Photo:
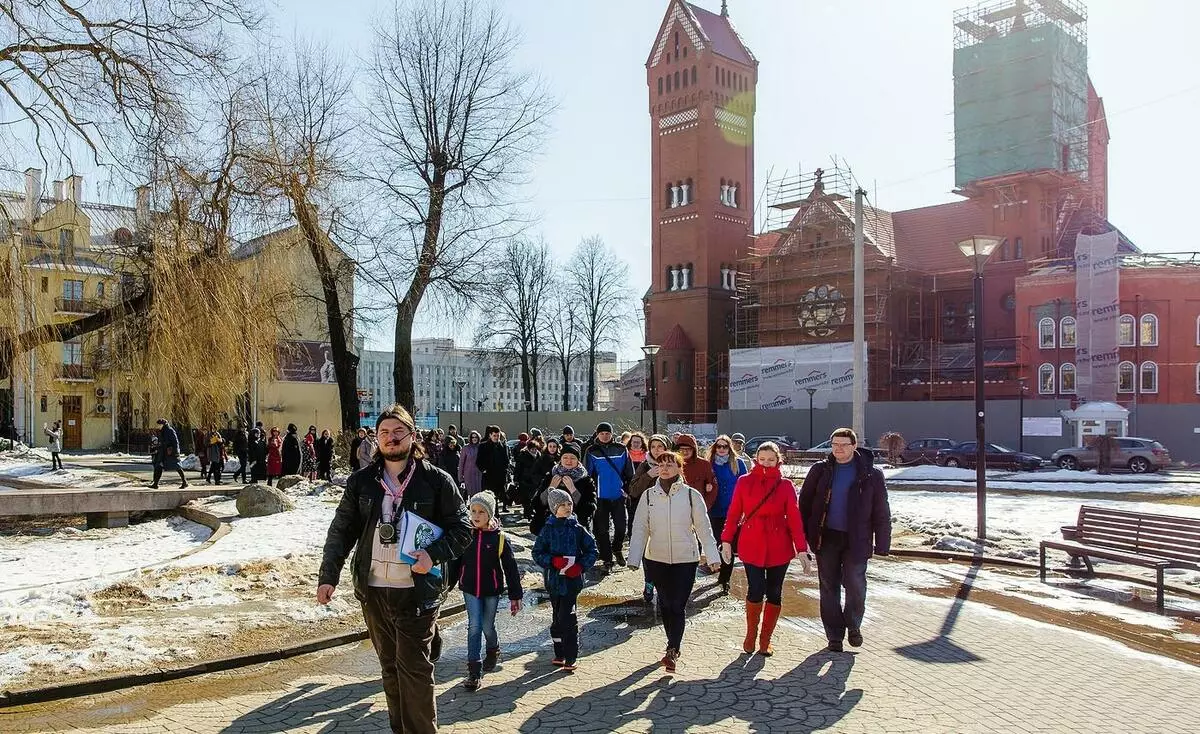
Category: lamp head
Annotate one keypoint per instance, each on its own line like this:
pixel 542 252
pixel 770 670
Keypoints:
pixel 651 349
pixel 979 248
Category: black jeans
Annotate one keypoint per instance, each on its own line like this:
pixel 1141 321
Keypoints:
pixel 158 470
pixel 765 583
pixel 609 512
pixel 674 582
pixel 836 568
pixel 718 525
pixel 401 638
pixel 215 468
pixel 495 485
pixel 242 470
pixel 55 461
pixel 564 628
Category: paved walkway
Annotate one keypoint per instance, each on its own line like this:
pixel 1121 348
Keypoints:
pixel 929 665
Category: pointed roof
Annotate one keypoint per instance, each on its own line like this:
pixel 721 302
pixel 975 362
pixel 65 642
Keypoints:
pixel 677 341
pixel 704 29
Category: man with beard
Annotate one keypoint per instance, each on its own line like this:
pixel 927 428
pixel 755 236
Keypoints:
pixel 399 600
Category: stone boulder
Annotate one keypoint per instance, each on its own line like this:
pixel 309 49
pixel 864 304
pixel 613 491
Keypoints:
pixel 256 500
pixel 291 480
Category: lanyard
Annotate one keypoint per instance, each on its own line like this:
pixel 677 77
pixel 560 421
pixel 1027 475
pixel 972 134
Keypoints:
pixel 392 495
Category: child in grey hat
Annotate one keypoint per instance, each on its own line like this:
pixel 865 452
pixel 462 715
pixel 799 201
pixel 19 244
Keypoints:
pixel 565 550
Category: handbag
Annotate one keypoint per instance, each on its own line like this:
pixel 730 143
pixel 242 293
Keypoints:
pixel 737 533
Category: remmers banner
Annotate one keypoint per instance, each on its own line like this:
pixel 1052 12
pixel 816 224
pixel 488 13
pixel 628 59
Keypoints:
pixel 1097 313
pixel 778 378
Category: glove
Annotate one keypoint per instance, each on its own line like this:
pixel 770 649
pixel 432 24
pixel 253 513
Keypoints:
pixel 559 562
pixel 727 553
pixel 806 562
pixel 569 563
pixel 573 571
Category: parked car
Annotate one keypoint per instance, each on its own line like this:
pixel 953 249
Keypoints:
pixel 997 457
pixel 925 449
pixel 786 443
pixel 1138 455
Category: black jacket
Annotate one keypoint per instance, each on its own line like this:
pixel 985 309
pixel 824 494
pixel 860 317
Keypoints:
pixel 525 472
pixel 431 494
pixel 448 461
pixel 870 516
pixel 324 447
pixel 492 459
pixel 241 442
pixel 486 570
pixel 291 454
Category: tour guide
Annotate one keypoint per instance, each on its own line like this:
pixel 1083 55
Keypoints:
pixel 399 601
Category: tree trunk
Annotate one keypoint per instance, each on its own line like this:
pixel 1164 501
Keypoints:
pixel 406 310
pixel 591 394
pixel 345 362
pixel 402 369
pixel 566 375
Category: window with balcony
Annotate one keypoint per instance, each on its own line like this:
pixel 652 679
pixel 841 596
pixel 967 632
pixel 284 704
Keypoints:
pixel 1046 333
pixel 1125 331
pixel 1067 332
pixel 1149 382
pixel 1125 375
pixel 1046 379
pixel 1066 379
pixel 1149 331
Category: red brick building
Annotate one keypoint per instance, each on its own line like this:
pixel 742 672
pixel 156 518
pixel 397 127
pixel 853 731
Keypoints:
pixel 701 79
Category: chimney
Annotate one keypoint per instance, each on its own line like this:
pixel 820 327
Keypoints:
pixel 74 186
pixel 58 191
pixel 142 212
pixel 33 196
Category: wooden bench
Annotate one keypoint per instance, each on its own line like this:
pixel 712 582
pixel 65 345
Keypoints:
pixel 1136 538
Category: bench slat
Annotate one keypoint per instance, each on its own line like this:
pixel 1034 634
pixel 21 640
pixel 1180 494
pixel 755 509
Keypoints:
pixel 1118 517
pixel 1112 555
pixel 1142 528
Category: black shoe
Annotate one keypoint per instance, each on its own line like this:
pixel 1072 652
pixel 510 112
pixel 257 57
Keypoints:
pixel 620 559
pixel 725 587
pixel 473 677
pixel 855 637
pixel 608 566
pixel 648 593
pixel 435 647
pixel 490 659
pixel 834 646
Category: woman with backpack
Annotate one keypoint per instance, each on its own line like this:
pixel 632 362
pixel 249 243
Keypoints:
pixel 670 524
pixel 727 467
pixel 765 530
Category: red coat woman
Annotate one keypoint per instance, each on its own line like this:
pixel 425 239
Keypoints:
pixel 274 455
pixel 765 506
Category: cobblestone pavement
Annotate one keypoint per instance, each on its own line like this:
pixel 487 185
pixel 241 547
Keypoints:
pixel 929 665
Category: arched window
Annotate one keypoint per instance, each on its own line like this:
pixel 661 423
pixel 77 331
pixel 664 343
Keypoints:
pixel 1125 329
pixel 1198 379
pixel 1067 333
pixel 717 75
pixel 1198 331
pixel 693 75
pixel 668 83
pixel 691 191
pixel 664 371
pixel 1125 373
pixel 660 86
pixel 1046 379
pixel 1149 330
pixel 1149 381
pixel 1066 379
pixel 1019 250
pixel 676 44
pixel 685 77
pixel 677 80
pixel 1046 333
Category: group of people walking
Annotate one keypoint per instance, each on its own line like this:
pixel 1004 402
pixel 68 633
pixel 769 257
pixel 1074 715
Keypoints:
pixel 262 455
pixel 581 500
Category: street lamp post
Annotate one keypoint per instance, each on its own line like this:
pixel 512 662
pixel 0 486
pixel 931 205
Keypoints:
pixel 977 249
pixel 1021 414
pixel 641 410
pixel 650 350
pixel 811 391
pixel 129 421
pixel 528 406
pixel 460 384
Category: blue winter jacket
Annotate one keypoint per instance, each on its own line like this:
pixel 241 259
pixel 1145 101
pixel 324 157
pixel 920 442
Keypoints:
pixel 725 483
pixel 609 463
pixel 563 537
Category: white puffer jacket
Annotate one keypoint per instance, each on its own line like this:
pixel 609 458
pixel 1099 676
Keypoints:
pixel 667 524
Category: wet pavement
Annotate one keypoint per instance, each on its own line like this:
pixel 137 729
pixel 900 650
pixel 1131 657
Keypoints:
pixel 929 665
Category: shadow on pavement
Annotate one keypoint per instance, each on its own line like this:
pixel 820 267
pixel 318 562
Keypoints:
pixel 942 649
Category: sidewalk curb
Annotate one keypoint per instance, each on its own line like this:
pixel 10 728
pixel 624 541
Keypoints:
pixel 1028 565
pixel 108 684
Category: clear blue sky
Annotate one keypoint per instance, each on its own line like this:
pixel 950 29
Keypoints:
pixel 866 80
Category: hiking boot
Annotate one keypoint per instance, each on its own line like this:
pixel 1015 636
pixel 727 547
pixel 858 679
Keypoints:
pixel 834 646
pixel 855 637
pixel 669 659
pixel 490 659
pixel 474 676
pixel 620 559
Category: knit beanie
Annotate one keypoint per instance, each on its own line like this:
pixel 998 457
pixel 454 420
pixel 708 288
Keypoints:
pixel 569 448
pixel 557 498
pixel 486 500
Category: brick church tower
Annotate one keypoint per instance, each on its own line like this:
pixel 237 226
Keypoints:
pixel 701 79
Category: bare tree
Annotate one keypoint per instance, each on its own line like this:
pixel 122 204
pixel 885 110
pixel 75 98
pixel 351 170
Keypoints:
pixel 86 71
pixel 512 305
pixel 454 129
pixel 563 338
pixel 296 157
pixel 598 283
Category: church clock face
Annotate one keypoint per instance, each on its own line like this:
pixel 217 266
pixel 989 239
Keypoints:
pixel 822 309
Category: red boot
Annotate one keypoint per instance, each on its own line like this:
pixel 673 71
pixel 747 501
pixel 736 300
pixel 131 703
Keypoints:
pixel 753 612
pixel 770 618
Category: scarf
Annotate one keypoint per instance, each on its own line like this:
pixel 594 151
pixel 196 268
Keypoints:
pixel 575 474
pixel 763 474
pixel 637 456
pixel 721 460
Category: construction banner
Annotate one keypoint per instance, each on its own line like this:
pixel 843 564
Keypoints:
pixel 778 378
pixel 1097 313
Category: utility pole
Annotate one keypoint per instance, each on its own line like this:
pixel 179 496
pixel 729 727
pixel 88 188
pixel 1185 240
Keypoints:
pixel 858 398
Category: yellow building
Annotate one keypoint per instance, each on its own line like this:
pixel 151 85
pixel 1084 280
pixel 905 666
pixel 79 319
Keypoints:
pixel 64 256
